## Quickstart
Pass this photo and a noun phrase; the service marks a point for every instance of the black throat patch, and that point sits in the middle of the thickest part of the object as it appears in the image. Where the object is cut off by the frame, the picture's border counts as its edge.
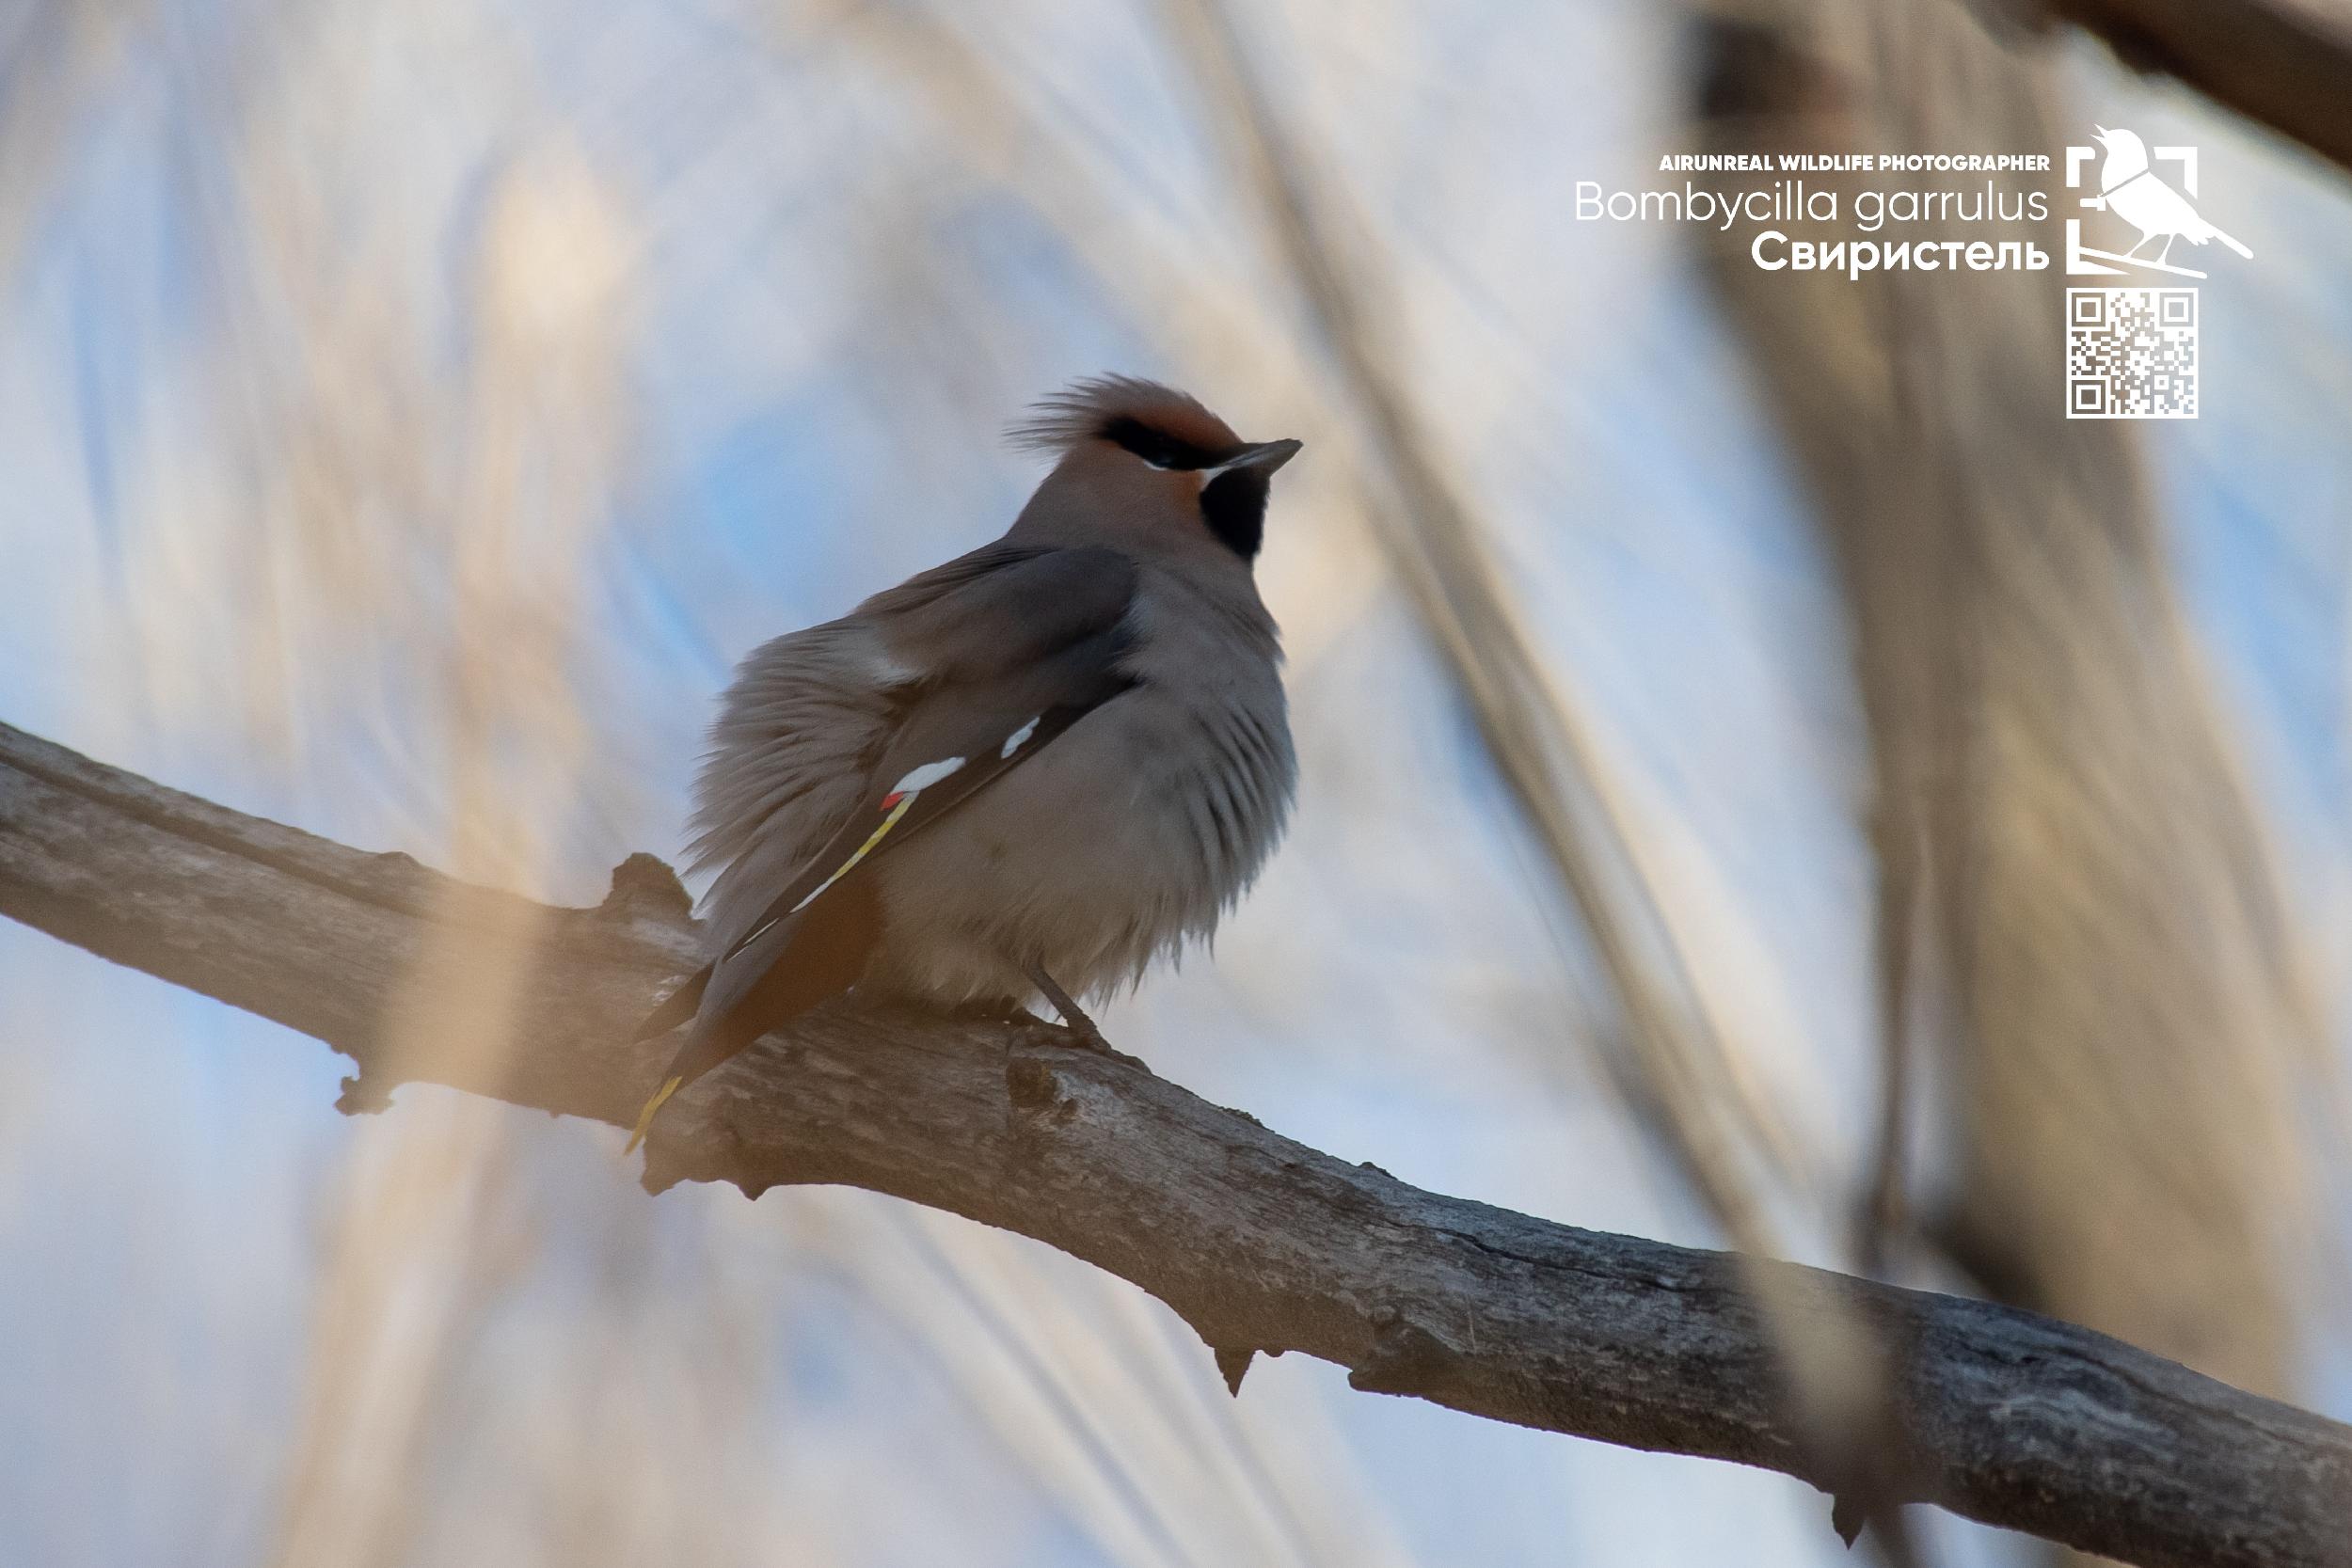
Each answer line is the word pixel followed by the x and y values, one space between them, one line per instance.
pixel 1233 506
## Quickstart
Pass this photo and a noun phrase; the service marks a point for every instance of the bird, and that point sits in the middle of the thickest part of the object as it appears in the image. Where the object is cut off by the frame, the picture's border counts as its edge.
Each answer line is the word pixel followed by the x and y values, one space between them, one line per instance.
pixel 1030 772
pixel 2131 189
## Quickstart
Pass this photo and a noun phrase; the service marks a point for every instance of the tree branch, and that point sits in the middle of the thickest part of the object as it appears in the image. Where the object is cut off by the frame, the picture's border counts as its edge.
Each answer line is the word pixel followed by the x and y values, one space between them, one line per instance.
pixel 2286 64
pixel 1261 1244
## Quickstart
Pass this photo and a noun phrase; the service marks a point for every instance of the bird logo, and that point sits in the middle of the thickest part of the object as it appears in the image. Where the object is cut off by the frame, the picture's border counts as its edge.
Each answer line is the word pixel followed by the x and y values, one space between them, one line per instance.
pixel 2130 188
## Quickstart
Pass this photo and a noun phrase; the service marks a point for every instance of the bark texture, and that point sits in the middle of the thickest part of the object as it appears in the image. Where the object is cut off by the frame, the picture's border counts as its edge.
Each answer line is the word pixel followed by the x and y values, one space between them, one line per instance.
pixel 1261 1244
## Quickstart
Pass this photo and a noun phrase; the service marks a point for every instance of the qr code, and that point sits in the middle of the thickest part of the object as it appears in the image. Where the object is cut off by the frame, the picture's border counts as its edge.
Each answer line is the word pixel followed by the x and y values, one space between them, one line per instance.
pixel 2131 354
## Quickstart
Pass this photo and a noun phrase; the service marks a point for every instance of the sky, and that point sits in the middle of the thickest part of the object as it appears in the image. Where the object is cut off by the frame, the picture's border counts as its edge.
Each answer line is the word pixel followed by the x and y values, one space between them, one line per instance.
pixel 407 417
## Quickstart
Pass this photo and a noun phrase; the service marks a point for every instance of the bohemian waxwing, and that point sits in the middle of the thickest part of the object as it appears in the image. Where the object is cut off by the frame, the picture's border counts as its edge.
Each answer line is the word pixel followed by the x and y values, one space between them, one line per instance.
pixel 1030 772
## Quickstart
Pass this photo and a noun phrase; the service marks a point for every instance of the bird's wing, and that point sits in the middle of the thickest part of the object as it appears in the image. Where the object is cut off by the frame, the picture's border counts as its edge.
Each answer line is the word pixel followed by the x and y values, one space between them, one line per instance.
pixel 801 723
pixel 955 740
pixel 1002 651
pixel 2158 209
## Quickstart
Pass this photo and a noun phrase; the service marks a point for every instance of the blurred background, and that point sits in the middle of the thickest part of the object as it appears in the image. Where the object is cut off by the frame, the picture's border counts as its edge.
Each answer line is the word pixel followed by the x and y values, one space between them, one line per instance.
pixel 1766 777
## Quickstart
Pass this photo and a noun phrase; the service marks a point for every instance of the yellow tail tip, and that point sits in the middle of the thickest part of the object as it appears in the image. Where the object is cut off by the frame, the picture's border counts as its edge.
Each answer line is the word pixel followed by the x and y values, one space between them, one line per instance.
pixel 645 1118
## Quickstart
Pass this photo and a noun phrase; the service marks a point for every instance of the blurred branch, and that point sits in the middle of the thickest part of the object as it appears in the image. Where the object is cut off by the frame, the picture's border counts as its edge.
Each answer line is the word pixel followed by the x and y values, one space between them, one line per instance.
pixel 1829 1367
pixel 1535 733
pixel 2073 871
pixel 54 60
pixel 1259 1243
pixel 2284 63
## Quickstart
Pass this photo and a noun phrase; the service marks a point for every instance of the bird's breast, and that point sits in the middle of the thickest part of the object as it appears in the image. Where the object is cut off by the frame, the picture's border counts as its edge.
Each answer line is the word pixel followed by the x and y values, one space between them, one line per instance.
pixel 1124 839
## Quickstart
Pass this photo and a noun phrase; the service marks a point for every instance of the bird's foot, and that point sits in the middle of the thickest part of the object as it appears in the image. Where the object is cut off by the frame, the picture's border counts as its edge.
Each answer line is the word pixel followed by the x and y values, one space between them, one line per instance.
pixel 1089 1034
pixel 1086 1036
pixel 1081 1028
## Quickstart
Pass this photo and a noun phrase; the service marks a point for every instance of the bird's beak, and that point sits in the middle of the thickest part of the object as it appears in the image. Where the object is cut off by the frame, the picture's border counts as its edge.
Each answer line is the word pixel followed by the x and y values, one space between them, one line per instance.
pixel 2099 134
pixel 1265 456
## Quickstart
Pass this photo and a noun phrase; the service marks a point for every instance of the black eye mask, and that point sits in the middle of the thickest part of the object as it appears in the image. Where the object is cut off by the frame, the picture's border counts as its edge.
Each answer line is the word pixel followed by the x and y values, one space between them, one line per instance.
pixel 1157 447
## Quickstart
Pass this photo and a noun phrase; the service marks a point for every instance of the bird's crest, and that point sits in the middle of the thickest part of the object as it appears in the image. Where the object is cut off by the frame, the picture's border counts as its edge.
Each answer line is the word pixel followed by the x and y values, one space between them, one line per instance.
pixel 1097 407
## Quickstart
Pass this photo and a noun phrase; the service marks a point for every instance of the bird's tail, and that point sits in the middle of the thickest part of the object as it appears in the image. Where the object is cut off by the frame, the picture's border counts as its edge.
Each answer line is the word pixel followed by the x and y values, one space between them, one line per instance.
pixel 676 1008
pixel 2232 244
pixel 820 960
pixel 645 1118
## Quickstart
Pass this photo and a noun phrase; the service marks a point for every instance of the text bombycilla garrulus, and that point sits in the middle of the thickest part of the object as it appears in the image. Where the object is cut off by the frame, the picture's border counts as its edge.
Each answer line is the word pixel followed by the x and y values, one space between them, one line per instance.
pixel 1032 770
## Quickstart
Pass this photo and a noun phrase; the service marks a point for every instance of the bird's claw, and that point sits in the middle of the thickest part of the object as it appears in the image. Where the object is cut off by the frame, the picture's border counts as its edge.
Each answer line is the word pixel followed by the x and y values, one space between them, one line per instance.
pixel 1075 1021
pixel 1086 1036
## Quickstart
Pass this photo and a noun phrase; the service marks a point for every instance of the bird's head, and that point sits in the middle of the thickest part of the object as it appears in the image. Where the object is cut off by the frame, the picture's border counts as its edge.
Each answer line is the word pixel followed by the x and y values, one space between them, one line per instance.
pixel 2124 147
pixel 1147 463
